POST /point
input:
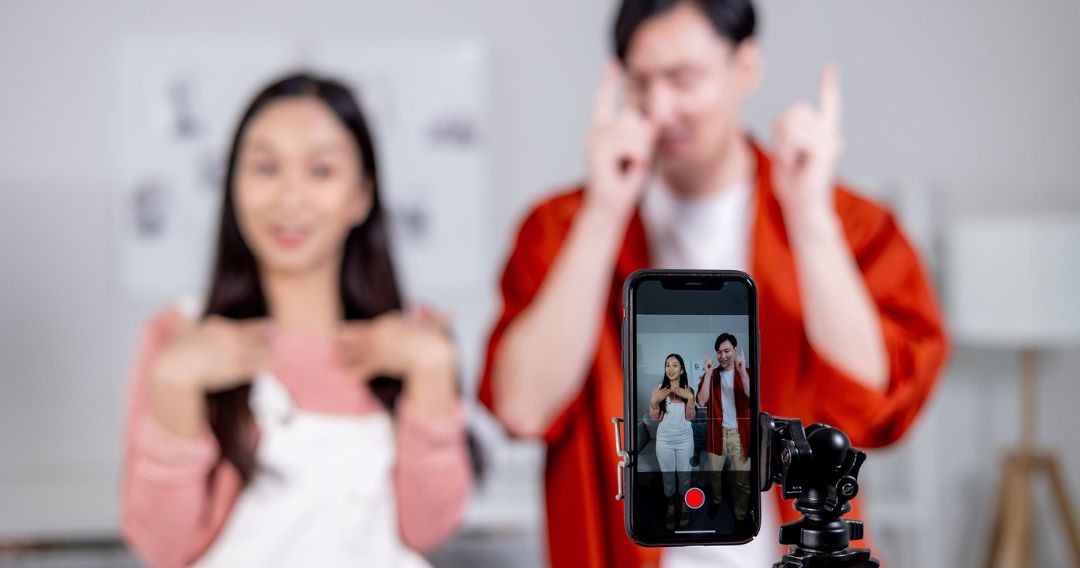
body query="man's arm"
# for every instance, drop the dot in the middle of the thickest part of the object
(841, 321)
(542, 362)
(744, 376)
(704, 388)
(543, 358)
(878, 342)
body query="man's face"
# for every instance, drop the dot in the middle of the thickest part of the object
(725, 355)
(689, 81)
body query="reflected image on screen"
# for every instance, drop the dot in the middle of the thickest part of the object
(693, 373)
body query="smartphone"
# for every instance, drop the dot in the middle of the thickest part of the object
(690, 368)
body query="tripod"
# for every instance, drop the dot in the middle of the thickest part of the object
(819, 469)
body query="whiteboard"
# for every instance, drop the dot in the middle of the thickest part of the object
(179, 102)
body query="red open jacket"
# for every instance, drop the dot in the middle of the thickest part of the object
(714, 439)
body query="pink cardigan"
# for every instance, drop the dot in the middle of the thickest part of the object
(170, 514)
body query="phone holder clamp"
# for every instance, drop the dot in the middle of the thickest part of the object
(624, 456)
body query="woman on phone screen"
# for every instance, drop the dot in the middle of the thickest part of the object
(672, 404)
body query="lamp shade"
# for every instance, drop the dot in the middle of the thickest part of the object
(1014, 281)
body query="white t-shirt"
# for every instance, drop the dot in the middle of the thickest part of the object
(727, 398)
(710, 232)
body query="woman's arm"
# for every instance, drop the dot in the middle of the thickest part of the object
(168, 515)
(433, 475)
(434, 478)
(165, 503)
(658, 395)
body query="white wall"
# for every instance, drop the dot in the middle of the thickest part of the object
(68, 330)
(689, 336)
(972, 101)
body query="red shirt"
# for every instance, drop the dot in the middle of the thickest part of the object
(585, 522)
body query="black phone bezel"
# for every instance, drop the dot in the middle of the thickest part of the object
(697, 280)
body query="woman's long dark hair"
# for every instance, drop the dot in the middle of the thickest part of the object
(368, 286)
(684, 381)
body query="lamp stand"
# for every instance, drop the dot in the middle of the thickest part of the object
(1011, 545)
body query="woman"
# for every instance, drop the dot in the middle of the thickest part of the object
(672, 405)
(268, 432)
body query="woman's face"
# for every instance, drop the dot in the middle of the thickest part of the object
(299, 186)
(672, 370)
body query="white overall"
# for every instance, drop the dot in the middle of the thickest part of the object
(674, 448)
(322, 493)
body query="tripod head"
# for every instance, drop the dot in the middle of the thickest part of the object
(818, 468)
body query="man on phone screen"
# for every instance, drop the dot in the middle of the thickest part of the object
(725, 393)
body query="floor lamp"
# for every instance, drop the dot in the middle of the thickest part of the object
(1015, 283)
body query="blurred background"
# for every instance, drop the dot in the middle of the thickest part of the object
(114, 118)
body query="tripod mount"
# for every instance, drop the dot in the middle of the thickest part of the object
(818, 468)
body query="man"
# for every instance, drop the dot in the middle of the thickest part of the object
(850, 332)
(727, 403)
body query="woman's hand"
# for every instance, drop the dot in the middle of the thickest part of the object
(659, 394)
(214, 354)
(683, 393)
(394, 345)
(208, 356)
(413, 348)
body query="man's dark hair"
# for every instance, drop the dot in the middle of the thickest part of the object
(733, 19)
(725, 337)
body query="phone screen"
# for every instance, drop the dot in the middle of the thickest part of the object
(690, 349)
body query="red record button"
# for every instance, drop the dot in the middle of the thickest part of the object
(694, 498)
